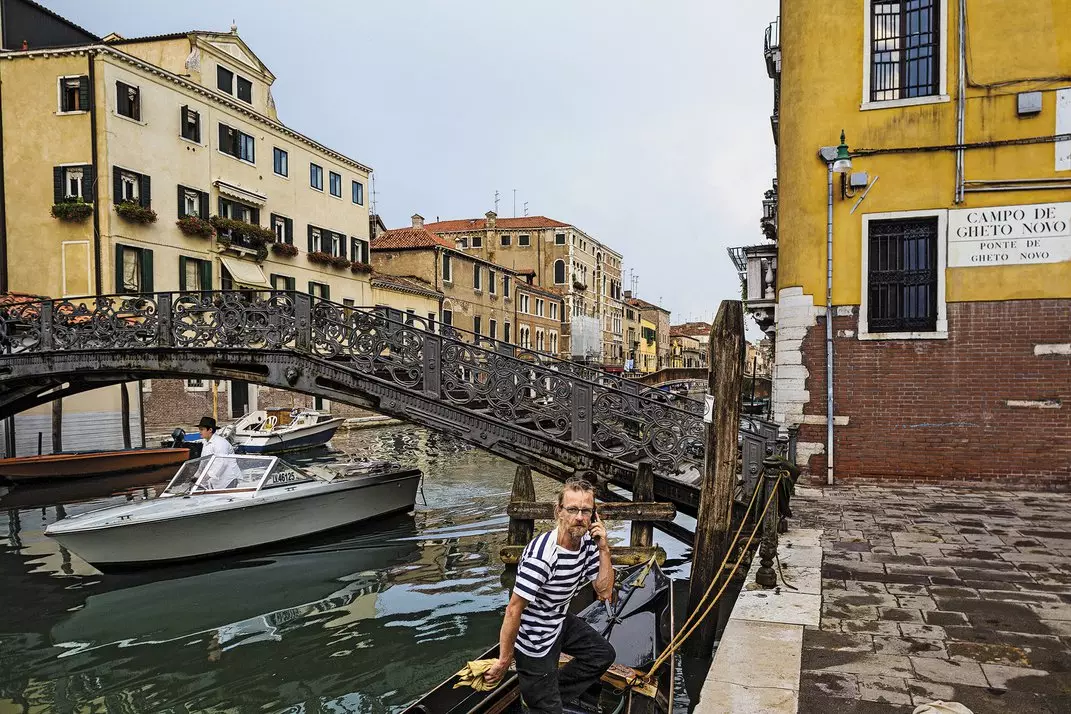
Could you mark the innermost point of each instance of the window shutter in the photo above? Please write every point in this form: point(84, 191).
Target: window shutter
point(83, 93)
point(117, 186)
point(310, 239)
point(184, 119)
point(146, 196)
point(254, 216)
point(196, 126)
point(119, 269)
point(204, 204)
point(181, 202)
point(224, 143)
point(146, 271)
point(57, 184)
point(182, 273)
point(289, 230)
point(327, 291)
point(206, 274)
point(89, 183)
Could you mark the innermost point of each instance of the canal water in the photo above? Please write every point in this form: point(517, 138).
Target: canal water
point(364, 620)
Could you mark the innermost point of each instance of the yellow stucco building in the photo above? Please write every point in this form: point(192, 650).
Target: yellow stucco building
point(949, 264)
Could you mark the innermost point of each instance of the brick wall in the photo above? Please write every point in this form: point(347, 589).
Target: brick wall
point(922, 410)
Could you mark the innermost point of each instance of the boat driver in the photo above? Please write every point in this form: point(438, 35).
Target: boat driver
point(536, 627)
point(222, 474)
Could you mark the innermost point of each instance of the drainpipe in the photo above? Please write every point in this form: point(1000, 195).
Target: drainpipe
point(829, 325)
point(961, 99)
point(95, 159)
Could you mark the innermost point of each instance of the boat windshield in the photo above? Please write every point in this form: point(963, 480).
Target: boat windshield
point(233, 472)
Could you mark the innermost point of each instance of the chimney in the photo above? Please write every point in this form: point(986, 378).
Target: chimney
point(628, 294)
point(491, 216)
point(418, 220)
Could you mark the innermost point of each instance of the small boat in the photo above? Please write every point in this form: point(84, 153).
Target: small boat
point(639, 626)
point(272, 431)
point(79, 464)
point(221, 504)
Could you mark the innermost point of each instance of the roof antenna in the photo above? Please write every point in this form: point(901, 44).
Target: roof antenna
point(514, 203)
point(526, 208)
point(496, 201)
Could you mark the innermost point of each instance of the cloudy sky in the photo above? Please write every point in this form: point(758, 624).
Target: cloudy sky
point(646, 124)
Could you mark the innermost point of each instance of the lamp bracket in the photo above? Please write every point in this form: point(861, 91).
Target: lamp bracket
point(827, 153)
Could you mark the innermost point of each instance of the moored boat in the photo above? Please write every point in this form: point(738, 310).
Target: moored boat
point(79, 464)
point(272, 431)
point(220, 504)
point(639, 626)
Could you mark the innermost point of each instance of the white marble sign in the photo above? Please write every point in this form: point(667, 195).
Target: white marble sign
point(1009, 235)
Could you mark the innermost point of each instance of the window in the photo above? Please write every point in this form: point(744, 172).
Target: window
point(559, 239)
point(236, 143)
point(559, 272)
point(245, 90)
point(192, 202)
point(316, 241)
point(524, 303)
point(283, 228)
point(505, 239)
point(357, 191)
point(190, 124)
point(359, 250)
point(129, 186)
point(505, 285)
point(281, 282)
point(194, 274)
point(524, 240)
point(281, 162)
point(335, 184)
point(492, 329)
point(448, 317)
point(539, 340)
point(74, 94)
point(316, 177)
point(477, 277)
point(477, 241)
point(133, 269)
point(905, 49)
point(410, 317)
point(526, 336)
point(902, 285)
point(320, 290)
point(128, 101)
point(539, 307)
point(554, 312)
point(70, 183)
point(238, 211)
point(224, 79)
point(505, 332)
point(553, 342)
point(477, 324)
point(331, 242)
point(462, 242)
point(447, 268)
point(492, 277)
point(196, 385)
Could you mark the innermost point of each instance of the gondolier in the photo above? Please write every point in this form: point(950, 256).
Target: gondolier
point(536, 628)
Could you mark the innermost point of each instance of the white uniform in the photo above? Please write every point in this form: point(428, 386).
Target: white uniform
point(224, 473)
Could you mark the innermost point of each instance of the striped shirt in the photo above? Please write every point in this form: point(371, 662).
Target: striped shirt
point(547, 577)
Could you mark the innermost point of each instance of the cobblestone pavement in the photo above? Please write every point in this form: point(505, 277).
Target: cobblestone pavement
point(939, 593)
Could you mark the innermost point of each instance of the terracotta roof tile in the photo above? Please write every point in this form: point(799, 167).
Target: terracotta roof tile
point(691, 329)
point(644, 305)
point(403, 238)
point(406, 282)
point(479, 224)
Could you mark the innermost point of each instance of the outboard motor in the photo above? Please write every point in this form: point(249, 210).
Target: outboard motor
point(178, 438)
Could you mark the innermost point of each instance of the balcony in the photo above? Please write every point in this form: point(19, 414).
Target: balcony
point(757, 267)
point(771, 47)
point(768, 222)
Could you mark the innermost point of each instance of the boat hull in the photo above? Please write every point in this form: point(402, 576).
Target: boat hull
point(257, 523)
point(253, 442)
point(95, 463)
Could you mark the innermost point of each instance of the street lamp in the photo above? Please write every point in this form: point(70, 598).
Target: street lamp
point(839, 161)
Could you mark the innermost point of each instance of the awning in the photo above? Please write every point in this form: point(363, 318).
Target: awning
point(242, 194)
point(245, 273)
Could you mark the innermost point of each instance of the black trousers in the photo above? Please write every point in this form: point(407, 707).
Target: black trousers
point(544, 686)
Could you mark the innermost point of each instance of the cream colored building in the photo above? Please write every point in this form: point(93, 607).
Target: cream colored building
point(174, 126)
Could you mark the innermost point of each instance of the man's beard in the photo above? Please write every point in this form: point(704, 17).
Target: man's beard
point(576, 531)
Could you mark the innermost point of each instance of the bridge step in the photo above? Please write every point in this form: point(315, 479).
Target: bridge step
point(619, 555)
point(630, 511)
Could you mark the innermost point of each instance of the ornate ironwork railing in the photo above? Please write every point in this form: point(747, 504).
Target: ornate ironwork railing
point(602, 414)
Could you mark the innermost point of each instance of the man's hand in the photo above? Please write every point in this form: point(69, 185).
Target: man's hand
point(497, 670)
point(598, 534)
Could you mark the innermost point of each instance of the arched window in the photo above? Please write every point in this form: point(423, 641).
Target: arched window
point(559, 272)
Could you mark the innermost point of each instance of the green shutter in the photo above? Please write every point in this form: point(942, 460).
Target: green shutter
point(83, 93)
point(119, 269)
point(206, 274)
point(311, 283)
point(146, 271)
point(327, 291)
point(145, 197)
point(182, 273)
point(89, 183)
point(310, 239)
point(181, 203)
point(254, 216)
point(117, 186)
point(57, 184)
point(289, 231)
point(204, 204)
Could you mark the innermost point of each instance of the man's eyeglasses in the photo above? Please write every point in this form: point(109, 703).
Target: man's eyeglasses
point(574, 511)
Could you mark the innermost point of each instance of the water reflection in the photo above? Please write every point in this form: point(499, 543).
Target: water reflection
point(357, 621)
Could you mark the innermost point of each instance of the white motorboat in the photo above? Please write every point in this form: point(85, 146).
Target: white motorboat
point(271, 431)
point(219, 504)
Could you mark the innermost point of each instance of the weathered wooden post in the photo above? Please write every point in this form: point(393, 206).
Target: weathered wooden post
point(643, 492)
point(765, 576)
point(725, 377)
point(124, 410)
point(57, 425)
point(521, 530)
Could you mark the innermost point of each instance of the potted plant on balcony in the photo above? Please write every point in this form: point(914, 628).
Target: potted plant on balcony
point(287, 250)
point(340, 261)
point(135, 212)
point(577, 285)
point(320, 258)
point(359, 267)
point(72, 210)
point(195, 226)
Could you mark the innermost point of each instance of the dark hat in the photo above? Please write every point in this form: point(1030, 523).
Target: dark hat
point(207, 423)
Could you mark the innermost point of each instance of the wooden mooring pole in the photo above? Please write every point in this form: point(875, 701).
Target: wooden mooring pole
point(725, 377)
point(521, 530)
point(57, 425)
point(642, 535)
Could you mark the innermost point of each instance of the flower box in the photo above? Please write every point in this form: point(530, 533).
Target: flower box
point(359, 267)
point(340, 261)
point(240, 232)
point(72, 211)
point(320, 258)
point(288, 250)
point(135, 212)
point(195, 226)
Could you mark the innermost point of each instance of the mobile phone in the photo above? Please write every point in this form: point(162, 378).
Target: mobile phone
point(595, 517)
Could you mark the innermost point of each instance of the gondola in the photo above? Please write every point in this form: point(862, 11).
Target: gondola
point(640, 628)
